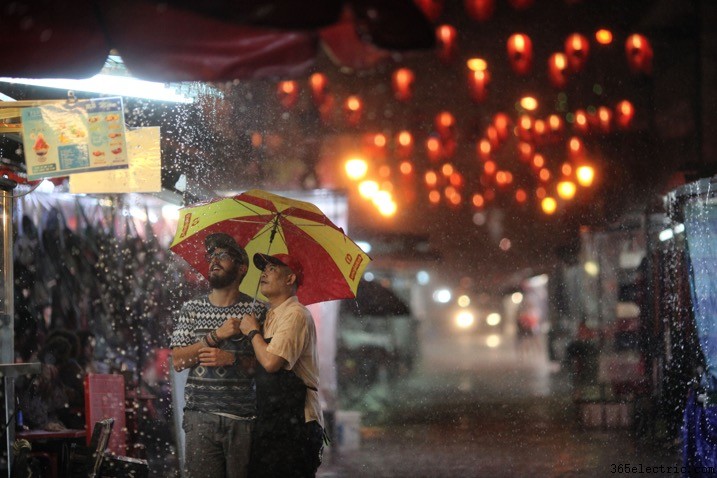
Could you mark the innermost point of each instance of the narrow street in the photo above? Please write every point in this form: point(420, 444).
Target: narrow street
point(471, 410)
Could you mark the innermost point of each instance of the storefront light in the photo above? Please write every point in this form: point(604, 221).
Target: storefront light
point(679, 229)
point(591, 268)
point(442, 296)
point(666, 235)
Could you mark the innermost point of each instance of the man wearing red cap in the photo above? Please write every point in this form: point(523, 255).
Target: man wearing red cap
point(288, 436)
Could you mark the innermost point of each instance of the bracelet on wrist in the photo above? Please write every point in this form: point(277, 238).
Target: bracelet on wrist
point(251, 334)
point(215, 337)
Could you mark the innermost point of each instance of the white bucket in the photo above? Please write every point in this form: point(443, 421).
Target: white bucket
point(348, 430)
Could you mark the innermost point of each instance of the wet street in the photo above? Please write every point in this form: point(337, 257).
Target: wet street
point(473, 410)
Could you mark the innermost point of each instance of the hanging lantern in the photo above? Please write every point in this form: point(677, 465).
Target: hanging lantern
point(555, 123)
point(525, 151)
point(521, 196)
point(577, 48)
point(501, 121)
point(432, 9)
point(484, 149)
point(492, 134)
point(639, 54)
point(576, 148)
point(525, 128)
point(402, 81)
point(538, 161)
point(603, 36)
point(558, 70)
point(604, 119)
point(478, 85)
point(521, 4)
point(353, 108)
point(433, 148)
point(446, 39)
point(318, 83)
point(445, 124)
point(520, 53)
point(288, 92)
point(539, 130)
point(404, 144)
point(581, 123)
point(480, 10)
point(624, 112)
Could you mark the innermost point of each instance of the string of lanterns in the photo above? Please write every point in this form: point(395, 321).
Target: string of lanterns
point(527, 131)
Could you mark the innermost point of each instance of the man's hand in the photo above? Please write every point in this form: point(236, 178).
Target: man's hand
point(213, 357)
point(248, 323)
point(228, 329)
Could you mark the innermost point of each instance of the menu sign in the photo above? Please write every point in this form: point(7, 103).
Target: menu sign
point(69, 138)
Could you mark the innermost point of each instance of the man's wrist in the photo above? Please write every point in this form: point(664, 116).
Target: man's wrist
point(252, 333)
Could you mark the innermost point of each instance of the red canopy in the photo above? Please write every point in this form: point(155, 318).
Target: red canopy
point(186, 40)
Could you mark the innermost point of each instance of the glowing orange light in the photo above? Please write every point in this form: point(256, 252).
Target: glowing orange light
point(521, 196)
point(384, 171)
point(456, 179)
point(540, 192)
point(449, 192)
point(520, 53)
point(489, 195)
point(539, 128)
point(575, 146)
point(433, 145)
point(484, 149)
point(288, 92)
point(538, 160)
point(447, 169)
point(501, 121)
point(431, 178)
point(379, 140)
point(603, 36)
point(405, 139)
point(480, 10)
point(526, 151)
point(434, 197)
point(566, 169)
point(549, 205)
point(556, 124)
point(544, 174)
point(431, 8)
point(492, 133)
point(478, 82)
point(639, 53)
point(406, 168)
point(353, 103)
point(356, 168)
point(402, 81)
point(318, 82)
point(489, 167)
point(581, 121)
point(478, 200)
point(446, 39)
point(288, 86)
point(477, 64)
point(624, 112)
point(500, 178)
point(526, 122)
point(605, 118)
point(455, 199)
point(585, 175)
point(529, 103)
point(444, 121)
point(558, 70)
point(577, 48)
point(566, 189)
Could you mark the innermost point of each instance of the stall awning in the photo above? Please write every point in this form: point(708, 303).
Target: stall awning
point(186, 40)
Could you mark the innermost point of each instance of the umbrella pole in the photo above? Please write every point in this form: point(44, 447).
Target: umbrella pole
point(274, 228)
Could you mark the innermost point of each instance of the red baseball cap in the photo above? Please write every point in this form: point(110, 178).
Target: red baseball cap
point(261, 260)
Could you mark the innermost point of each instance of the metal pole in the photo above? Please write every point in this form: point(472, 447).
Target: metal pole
point(7, 314)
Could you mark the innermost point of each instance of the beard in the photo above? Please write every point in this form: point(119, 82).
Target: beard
point(222, 280)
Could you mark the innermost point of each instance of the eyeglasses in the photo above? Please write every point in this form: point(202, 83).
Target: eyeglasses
point(220, 256)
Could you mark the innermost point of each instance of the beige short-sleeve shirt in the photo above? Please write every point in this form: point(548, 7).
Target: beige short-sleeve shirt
point(293, 337)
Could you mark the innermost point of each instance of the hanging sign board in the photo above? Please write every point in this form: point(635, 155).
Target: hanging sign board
point(68, 138)
point(142, 176)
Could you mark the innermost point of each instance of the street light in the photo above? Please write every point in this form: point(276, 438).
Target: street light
point(356, 168)
point(585, 175)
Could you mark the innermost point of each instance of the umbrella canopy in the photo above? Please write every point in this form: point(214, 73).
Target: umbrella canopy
point(183, 40)
point(263, 222)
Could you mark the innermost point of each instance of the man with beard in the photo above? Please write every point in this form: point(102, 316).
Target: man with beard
point(220, 403)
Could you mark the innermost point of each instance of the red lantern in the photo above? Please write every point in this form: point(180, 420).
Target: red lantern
point(525, 128)
point(520, 53)
point(581, 123)
point(445, 123)
point(446, 37)
point(480, 10)
point(288, 92)
point(604, 119)
point(624, 112)
point(434, 148)
point(558, 70)
point(576, 148)
point(432, 9)
point(521, 4)
point(404, 144)
point(478, 85)
point(354, 109)
point(501, 121)
point(402, 81)
point(577, 48)
point(639, 53)
point(484, 149)
point(317, 83)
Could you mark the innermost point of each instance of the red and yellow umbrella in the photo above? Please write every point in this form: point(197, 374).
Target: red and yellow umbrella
point(272, 224)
